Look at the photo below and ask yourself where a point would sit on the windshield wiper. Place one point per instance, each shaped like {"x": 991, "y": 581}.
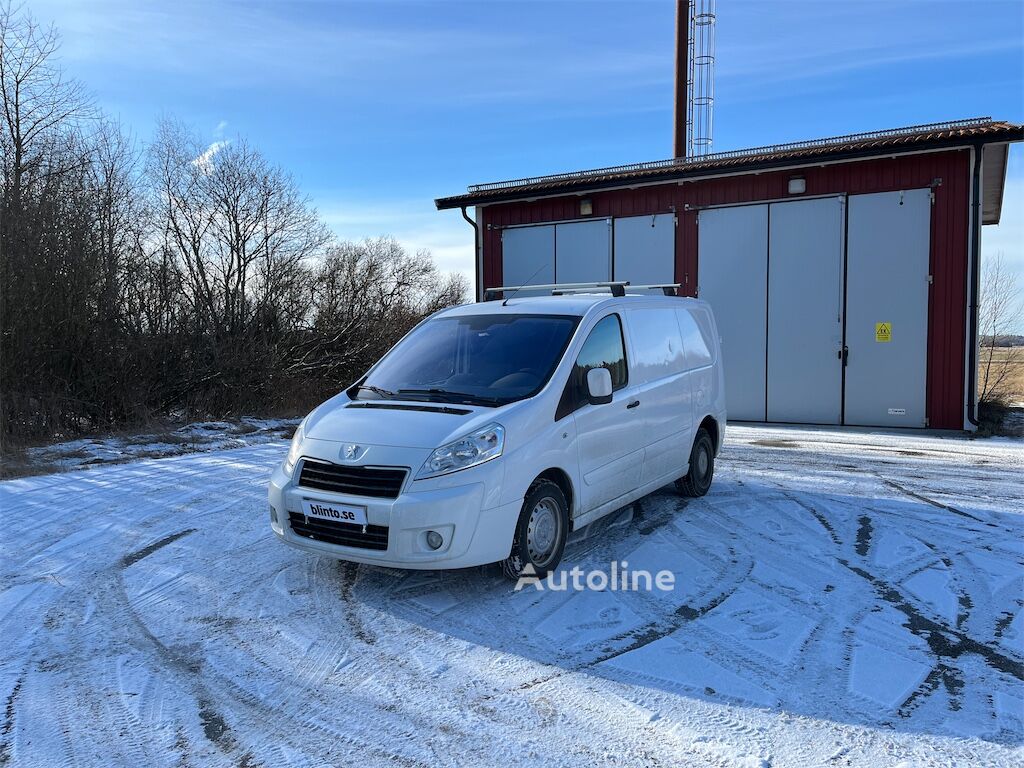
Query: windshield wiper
{"x": 385, "y": 393}
{"x": 462, "y": 397}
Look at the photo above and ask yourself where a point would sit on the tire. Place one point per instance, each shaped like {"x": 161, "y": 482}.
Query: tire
{"x": 541, "y": 531}
{"x": 702, "y": 466}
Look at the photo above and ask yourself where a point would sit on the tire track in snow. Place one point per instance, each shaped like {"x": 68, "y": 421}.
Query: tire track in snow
{"x": 664, "y": 626}
{"x": 561, "y": 712}
{"x": 938, "y": 635}
{"x": 914, "y": 495}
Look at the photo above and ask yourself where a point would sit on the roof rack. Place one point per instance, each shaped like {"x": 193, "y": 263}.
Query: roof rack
{"x": 669, "y": 289}
{"x": 617, "y": 287}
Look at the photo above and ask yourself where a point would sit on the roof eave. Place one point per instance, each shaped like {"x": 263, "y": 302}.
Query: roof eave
{"x": 674, "y": 174}
{"x": 993, "y": 180}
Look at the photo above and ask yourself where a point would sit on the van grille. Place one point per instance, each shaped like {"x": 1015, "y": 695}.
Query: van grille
{"x": 345, "y": 534}
{"x": 378, "y": 482}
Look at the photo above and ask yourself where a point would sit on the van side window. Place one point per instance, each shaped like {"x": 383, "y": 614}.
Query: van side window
{"x": 602, "y": 349}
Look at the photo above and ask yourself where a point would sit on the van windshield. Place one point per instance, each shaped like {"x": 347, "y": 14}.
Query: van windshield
{"x": 475, "y": 359}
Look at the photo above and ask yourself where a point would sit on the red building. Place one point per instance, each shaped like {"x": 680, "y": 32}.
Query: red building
{"x": 843, "y": 272}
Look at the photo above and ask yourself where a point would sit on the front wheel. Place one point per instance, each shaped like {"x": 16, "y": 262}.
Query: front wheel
{"x": 702, "y": 466}
{"x": 541, "y": 532}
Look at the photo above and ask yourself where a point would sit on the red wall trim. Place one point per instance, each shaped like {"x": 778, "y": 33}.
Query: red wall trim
{"x": 947, "y": 306}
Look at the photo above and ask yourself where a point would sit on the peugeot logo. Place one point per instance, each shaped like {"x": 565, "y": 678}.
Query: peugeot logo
{"x": 350, "y": 451}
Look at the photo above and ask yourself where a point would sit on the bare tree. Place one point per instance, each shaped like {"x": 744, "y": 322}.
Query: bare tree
{"x": 42, "y": 222}
{"x": 999, "y": 315}
{"x": 364, "y": 297}
{"x": 187, "y": 278}
{"x": 239, "y": 226}
{"x": 38, "y": 101}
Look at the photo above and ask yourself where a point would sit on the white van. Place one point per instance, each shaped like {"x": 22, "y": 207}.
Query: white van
{"x": 492, "y": 430}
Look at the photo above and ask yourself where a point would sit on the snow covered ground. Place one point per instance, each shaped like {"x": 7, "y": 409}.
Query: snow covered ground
{"x": 198, "y": 437}
{"x": 842, "y": 598}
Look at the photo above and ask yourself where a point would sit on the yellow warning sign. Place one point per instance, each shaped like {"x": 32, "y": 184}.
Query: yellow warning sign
{"x": 883, "y": 331}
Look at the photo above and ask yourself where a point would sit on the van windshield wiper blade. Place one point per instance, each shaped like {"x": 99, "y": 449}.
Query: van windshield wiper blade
{"x": 463, "y": 397}
{"x": 385, "y": 393}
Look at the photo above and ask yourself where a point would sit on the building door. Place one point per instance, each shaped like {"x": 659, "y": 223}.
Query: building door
{"x": 527, "y": 256}
{"x": 887, "y": 308}
{"x": 573, "y": 252}
{"x": 733, "y": 274}
{"x": 583, "y": 251}
{"x": 645, "y": 249}
{"x": 805, "y": 311}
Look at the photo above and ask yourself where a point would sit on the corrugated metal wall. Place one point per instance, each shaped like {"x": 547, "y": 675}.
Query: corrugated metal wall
{"x": 950, "y": 226}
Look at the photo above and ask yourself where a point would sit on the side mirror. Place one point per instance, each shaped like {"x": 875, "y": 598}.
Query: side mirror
{"x": 599, "y": 386}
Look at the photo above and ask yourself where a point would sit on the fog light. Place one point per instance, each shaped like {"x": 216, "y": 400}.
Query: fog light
{"x": 273, "y": 515}
{"x": 434, "y": 539}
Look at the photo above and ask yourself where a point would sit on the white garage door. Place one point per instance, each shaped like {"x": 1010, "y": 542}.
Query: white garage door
{"x": 887, "y": 308}
{"x": 733, "y": 270}
{"x": 528, "y": 255}
{"x": 574, "y": 252}
{"x": 774, "y": 275}
{"x": 583, "y": 252}
{"x": 805, "y": 308}
{"x": 645, "y": 249}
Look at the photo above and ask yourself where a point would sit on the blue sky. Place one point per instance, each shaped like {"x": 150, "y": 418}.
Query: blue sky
{"x": 379, "y": 107}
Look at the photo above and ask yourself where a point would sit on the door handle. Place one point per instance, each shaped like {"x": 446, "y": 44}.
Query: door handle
{"x": 634, "y": 404}
{"x": 844, "y": 355}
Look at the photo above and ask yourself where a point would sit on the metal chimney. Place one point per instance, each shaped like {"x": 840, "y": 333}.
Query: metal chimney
{"x": 681, "y": 122}
{"x": 695, "y": 77}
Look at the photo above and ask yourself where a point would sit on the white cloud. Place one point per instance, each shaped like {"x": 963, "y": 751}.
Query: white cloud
{"x": 221, "y": 127}
{"x": 204, "y": 161}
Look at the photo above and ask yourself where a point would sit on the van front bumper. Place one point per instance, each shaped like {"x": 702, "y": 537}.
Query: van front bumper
{"x": 472, "y": 535}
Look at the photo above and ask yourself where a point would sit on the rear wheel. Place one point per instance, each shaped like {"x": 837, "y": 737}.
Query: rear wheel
{"x": 702, "y": 466}
{"x": 541, "y": 532}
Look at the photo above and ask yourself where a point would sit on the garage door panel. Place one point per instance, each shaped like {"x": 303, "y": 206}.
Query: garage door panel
{"x": 528, "y": 256}
{"x": 887, "y": 308}
{"x": 805, "y": 324}
{"x": 583, "y": 252}
{"x": 732, "y": 278}
{"x": 645, "y": 249}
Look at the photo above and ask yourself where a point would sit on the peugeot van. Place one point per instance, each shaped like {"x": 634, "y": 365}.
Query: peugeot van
{"x": 492, "y": 430}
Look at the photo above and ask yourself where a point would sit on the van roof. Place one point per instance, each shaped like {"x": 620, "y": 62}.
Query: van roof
{"x": 578, "y": 304}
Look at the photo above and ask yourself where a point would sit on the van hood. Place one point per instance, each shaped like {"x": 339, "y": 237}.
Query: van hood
{"x": 396, "y": 423}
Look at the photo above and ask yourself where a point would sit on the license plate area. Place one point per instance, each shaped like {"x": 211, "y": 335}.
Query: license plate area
{"x": 353, "y": 514}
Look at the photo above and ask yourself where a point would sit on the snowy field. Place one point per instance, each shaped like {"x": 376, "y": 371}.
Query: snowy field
{"x": 842, "y": 598}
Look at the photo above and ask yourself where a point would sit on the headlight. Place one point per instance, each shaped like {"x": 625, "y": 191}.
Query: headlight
{"x": 294, "y": 451}
{"x": 475, "y": 448}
